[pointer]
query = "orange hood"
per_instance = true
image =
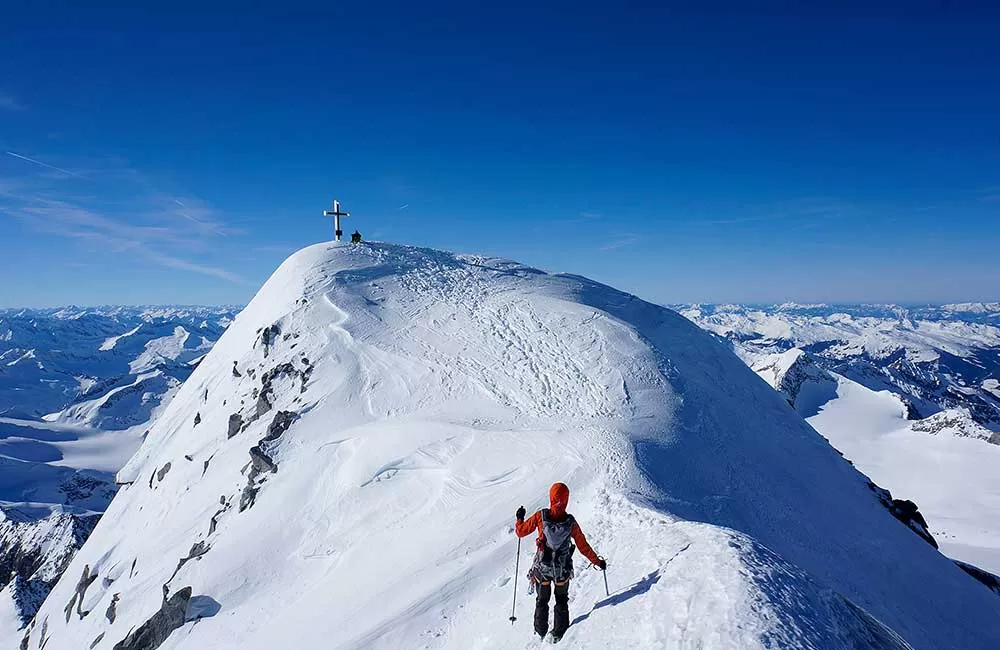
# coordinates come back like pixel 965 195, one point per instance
pixel 558 499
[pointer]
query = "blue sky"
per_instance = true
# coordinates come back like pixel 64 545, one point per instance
pixel 722 153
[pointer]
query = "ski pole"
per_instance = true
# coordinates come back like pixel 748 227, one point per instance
pixel 605 572
pixel 517 568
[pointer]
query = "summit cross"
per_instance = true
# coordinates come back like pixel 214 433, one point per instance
pixel 336 214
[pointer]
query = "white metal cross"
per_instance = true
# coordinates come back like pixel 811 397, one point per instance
pixel 336 214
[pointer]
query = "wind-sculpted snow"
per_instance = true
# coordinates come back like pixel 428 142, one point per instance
pixel 342 469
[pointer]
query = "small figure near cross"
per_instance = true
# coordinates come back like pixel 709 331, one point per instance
pixel 356 237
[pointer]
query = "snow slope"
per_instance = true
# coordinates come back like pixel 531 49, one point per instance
pixel 934 462
pixel 866 375
pixel 342 469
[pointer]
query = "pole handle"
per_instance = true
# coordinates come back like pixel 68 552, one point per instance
pixel 607 591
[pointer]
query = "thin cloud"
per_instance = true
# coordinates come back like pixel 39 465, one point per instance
pixel 133 218
pixel 622 242
pixel 403 207
pixel 184 265
pixel 786 211
pixel 47 166
pixel 7 102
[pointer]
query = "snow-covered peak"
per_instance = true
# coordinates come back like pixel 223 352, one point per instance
pixel 958 422
pixel 341 471
pixel 798 378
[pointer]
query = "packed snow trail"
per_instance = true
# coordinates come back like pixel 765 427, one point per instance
pixel 378 412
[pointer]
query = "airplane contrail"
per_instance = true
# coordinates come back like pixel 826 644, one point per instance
pixel 40 163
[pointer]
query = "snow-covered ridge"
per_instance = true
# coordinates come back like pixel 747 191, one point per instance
pixel 341 471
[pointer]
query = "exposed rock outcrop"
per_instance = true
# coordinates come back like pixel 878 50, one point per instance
pixel 160 625
pixel 261 461
pixel 905 511
pixel 991 581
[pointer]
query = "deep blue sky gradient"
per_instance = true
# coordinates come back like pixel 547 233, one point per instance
pixel 719 153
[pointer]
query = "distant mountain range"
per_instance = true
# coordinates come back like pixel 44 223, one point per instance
pixel 78 389
pixel 933 358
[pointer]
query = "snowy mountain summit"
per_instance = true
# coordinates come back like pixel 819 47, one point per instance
pixel 342 471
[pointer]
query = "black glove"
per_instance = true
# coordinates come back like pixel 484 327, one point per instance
pixel 601 564
pixel 520 513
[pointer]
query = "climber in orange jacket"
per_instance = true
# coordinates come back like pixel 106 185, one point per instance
pixel 557 530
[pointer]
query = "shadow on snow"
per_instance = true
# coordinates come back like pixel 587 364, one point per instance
pixel 637 589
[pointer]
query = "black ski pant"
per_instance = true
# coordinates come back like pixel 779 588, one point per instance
pixel 561 619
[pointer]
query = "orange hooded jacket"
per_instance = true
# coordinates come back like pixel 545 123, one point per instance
pixel 558 500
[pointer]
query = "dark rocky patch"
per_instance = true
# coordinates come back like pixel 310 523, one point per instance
pixel 160 625
pixel 261 461
pixel 197 419
pixel 264 395
pixel 93 644
pixel 268 336
pixel 189 457
pixel 162 472
pixel 991 581
pixel 235 422
pixel 905 511
pixel 81 486
pixel 78 595
pixel 112 613
pixel 236 371
pixel 131 571
pixel 279 425
pixel 202 607
pixel 198 550
pixel 214 521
